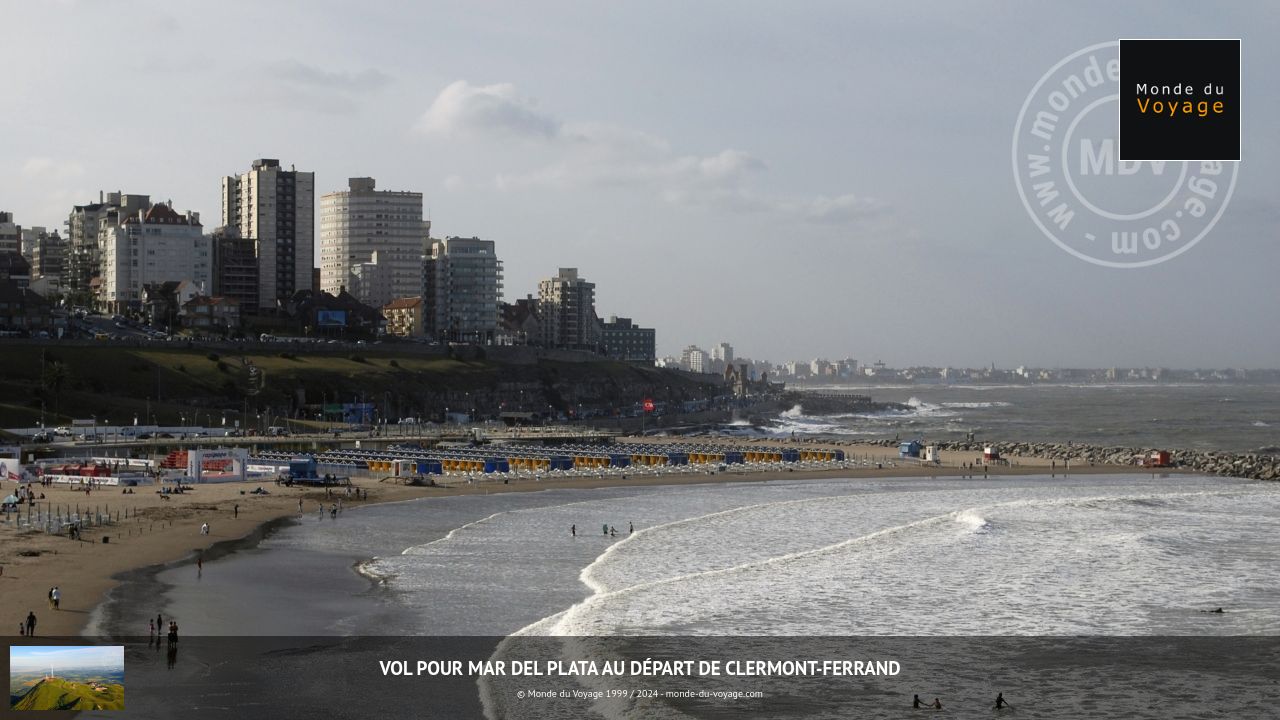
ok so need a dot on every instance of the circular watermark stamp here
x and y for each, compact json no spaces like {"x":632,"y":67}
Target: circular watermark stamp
{"x":1083,"y":197}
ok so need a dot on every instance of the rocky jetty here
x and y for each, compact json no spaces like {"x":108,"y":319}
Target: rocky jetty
{"x":1257,"y":466}
{"x":835,"y":403}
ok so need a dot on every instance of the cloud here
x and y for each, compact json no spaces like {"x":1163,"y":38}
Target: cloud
{"x":463,"y":108}
{"x":297,"y":86}
{"x":590,"y":155}
{"x":299,"y":73}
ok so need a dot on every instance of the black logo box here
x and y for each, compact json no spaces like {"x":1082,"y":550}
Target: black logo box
{"x":1184,"y":64}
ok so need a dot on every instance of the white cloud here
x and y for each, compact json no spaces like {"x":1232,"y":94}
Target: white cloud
{"x":463,"y":108}
{"x":589,"y":155}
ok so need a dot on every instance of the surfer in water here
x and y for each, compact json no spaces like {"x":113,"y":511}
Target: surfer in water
{"x":1000,"y":703}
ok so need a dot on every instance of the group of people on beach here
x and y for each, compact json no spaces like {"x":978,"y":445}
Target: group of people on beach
{"x":607,"y":529}
{"x":55,"y":598}
{"x":157,"y":627}
{"x":918,"y":704}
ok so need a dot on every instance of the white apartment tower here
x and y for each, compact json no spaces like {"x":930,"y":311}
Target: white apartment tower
{"x":153,"y":246}
{"x":371,"y":242}
{"x":276,"y":209}
{"x":722,"y":352}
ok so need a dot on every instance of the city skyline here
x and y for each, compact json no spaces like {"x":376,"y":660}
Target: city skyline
{"x":775,"y":172}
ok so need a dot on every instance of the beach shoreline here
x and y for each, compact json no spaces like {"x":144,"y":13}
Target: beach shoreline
{"x":160,"y":534}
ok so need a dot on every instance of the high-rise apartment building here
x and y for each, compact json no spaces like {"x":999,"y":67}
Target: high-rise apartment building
{"x":45,"y":251}
{"x":371,"y":242}
{"x":275,"y":208}
{"x":10,"y":233}
{"x":235,"y":268}
{"x":85,"y":227}
{"x":462,"y":289}
{"x":722,"y":352}
{"x":567,"y":304}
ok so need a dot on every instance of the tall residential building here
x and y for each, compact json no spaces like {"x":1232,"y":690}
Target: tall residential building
{"x":462,"y":283}
{"x":235,"y":268}
{"x":154,"y":246}
{"x":276,"y":209}
{"x":45,"y":250}
{"x":723,"y":352}
{"x":10,"y":233}
{"x":567,"y":304}
{"x":694,"y":359}
{"x":85,"y":227}
{"x":371,"y":242}
{"x":622,"y":339}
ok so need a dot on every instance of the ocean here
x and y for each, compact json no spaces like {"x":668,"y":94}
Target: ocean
{"x":1024,"y":555}
{"x":1227,"y":417}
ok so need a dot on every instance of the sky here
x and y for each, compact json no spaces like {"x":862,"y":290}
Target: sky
{"x":819,"y":179}
{"x":62,"y":657}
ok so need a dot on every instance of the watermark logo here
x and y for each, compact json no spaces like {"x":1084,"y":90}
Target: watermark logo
{"x":1107,"y":211}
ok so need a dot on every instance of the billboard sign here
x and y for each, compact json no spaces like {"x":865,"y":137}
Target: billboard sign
{"x":331,"y":318}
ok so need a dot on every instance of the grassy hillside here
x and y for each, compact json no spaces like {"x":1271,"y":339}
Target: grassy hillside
{"x":62,"y":694}
{"x":163,"y":383}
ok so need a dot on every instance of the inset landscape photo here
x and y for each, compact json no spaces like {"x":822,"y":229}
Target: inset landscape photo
{"x":66,"y":677}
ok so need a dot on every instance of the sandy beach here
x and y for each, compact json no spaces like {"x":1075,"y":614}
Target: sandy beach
{"x":156,"y":531}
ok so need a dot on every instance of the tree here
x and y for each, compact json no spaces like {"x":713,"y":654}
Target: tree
{"x":54,"y":377}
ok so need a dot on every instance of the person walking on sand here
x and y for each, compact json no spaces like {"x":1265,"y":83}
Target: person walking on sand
{"x":299,"y":506}
{"x":56,"y":594}
{"x":236,"y":511}
{"x":31,"y":624}
{"x":204,"y":529}
{"x":50,"y":594}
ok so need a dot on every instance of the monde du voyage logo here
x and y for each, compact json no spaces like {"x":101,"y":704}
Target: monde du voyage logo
{"x":1127,"y":169}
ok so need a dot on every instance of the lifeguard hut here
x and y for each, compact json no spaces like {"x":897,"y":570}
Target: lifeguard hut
{"x":932,"y":454}
{"x":990,"y":454}
{"x":910,"y":449}
{"x":1159,"y":458}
